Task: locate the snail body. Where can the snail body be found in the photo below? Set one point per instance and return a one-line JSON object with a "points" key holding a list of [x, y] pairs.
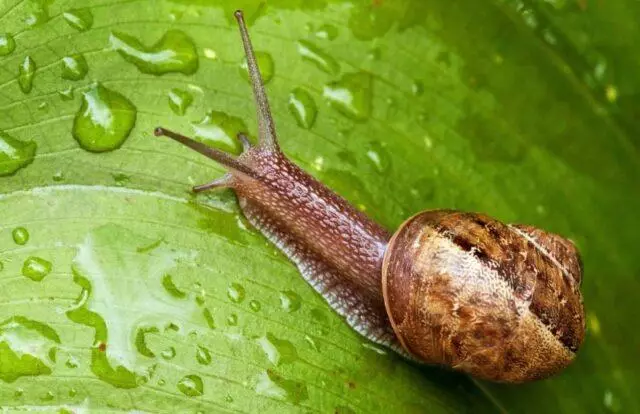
{"points": [[500, 302]]}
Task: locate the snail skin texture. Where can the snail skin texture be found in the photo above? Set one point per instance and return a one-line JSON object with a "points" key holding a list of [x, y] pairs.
{"points": [[501, 302]]}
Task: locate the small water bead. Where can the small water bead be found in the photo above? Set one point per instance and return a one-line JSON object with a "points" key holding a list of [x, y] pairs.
{"points": [[318, 57], [20, 236], [379, 157], [327, 32], [272, 385], [210, 53], [417, 88], [19, 393], [39, 13], [26, 73], [208, 317], [171, 288], [265, 63], [74, 67], [79, 19], [228, 399], [179, 101], [610, 402], [191, 385], [174, 52], [219, 130], [203, 355], [66, 94], [72, 362], [73, 392], [121, 179], [290, 301], [36, 268], [104, 119], [162, 382], [48, 396], [15, 154], [312, 343], [303, 108], [254, 305], [7, 44], [168, 353], [236, 293], [351, 95], [278, 351], [232, 320]]}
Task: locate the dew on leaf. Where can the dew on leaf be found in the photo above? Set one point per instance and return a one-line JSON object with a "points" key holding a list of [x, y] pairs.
{"points": [[232, 320], [303, 108], [265, 63], [179, 101], [72, 362], [228, 399], [174, 52], [36, 268], [210, 53], [48, 396], [26, 73], [104, 120], [20, 236], [379, 157], [7, 44], [417, 88], [141, 340], [312, 53], [27, 348], [171, 288], [351, 95], [312, 343], [254, 305], [290, 301], [278, 351], [74, 67], [236, 292], [191, 385], [168, 353], [203, 355], [66, 94], [79, 19], [38, 13], [272, 385], [121, 179], [218, 129], [327, 32], [208, 317], [15, 154]]}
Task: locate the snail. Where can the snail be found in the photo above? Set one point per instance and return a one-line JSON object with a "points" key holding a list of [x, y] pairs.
{"points": [[498, 301]]}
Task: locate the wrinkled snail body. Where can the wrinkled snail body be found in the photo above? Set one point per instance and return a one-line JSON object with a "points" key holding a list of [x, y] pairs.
{"points": [[500, 302]]}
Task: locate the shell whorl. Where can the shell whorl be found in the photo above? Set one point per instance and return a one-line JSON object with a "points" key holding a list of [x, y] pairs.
{"points": [[500, 302]]}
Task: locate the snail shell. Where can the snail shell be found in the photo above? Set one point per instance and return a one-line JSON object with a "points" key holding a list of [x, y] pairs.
{"points": [[501, 302]]}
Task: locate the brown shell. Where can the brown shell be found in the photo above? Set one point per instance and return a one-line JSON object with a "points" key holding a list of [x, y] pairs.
{"points": [[500, 302]]}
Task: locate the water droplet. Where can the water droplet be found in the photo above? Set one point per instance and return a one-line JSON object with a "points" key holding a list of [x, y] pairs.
{"points": [[104, 119], [254, 305], [171, 288], [236, 293], [228, 398], [593, 324], [20, 235], [210, 53], [219, 130], [15, 154], [351, 95], [27, 348], [19, 393], [174, 52], [39, 13], [417, 88], [312, 343], [48, 396], [179, 101], [7, 44], [326, 31], [379, 157], [26, 72], [209, 318], [43, 106], [265, 63], [168, 353], [278, 351], [611, 402], [232, 320], [191, 385], [272, 385], [303, 108], [161, 382], [203, 355], [375, 53], [66, 94], [36, 268], [121, 180], [79, 19], [73, 392], [74, 67], [72, 362], [290, 301], [611, 92], [318, 57]]}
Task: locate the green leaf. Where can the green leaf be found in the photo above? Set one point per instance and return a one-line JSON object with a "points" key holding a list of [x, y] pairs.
{"points": [[130, 293]]}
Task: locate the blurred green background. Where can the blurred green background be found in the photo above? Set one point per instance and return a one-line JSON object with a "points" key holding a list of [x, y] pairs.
{"points": [[120, 290]]}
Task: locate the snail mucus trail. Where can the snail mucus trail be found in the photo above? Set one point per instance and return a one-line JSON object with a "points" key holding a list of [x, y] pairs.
{"points": [[501, 302]]}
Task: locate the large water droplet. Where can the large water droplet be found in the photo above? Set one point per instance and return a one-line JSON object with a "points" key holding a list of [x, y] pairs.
{"points": [[290, 301], [179, 101], [317, 56], [303, 108], [236, 293], [273, 385], [203, 355], [351, 95], [7, 44], [79, 19], [174, 52], [265, 63], [14, 154], [27, 348], [104, 119], [36, 268], [20, 235], [26, 72], [219, 130], [191, 385], [74, 67], [278, 351]]}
